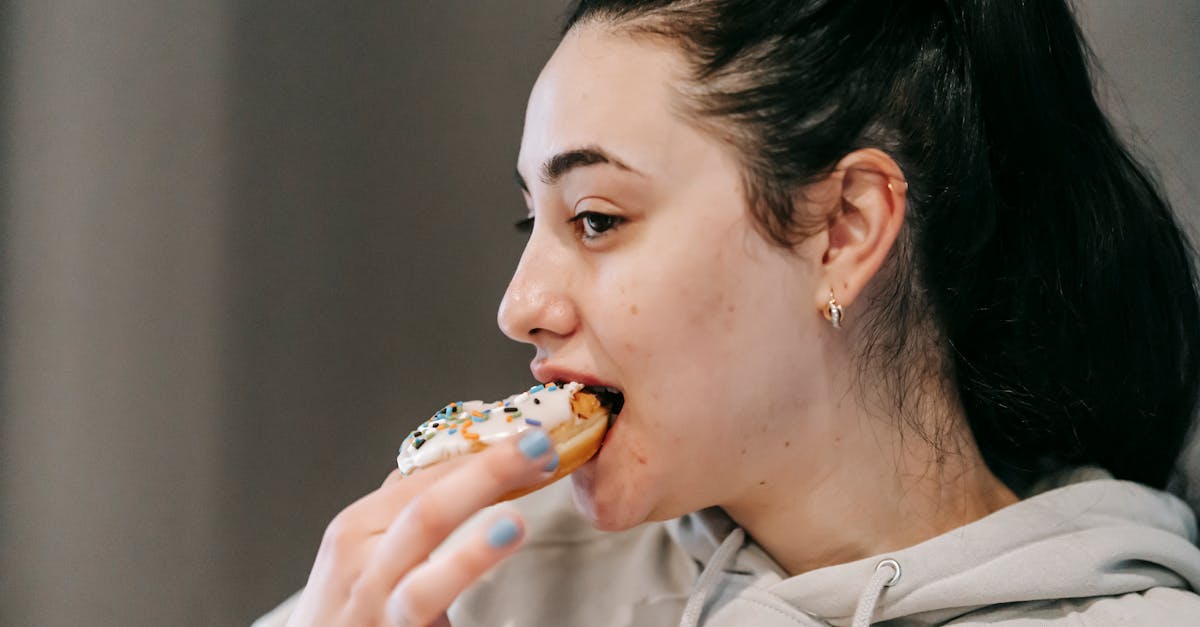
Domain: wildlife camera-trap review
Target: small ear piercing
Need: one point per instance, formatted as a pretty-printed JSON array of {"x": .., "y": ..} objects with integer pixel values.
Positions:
[{"x": 833, "y": 311}]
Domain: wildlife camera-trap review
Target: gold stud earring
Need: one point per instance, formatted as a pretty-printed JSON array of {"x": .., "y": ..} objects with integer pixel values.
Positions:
[{"x": 833, "y": 311}]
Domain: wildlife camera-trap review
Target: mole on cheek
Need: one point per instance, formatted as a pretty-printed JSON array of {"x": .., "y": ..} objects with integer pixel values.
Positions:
[{"x": 633, "y": 309}]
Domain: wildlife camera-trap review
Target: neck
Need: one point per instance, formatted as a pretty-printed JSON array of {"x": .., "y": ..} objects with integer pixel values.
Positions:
[{"x": 873, "y": 490}]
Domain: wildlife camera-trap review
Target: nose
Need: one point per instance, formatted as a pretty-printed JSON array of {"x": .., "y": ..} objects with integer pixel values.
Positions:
[{"x": 537, "y": 308}]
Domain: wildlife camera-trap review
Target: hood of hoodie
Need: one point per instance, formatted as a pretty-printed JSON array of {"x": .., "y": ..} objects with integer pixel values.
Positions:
[{"x": 1082, "y": 534}]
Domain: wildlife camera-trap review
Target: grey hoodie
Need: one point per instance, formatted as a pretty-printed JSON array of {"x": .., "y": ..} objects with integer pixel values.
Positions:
[{"x": 1086, "y": 550}]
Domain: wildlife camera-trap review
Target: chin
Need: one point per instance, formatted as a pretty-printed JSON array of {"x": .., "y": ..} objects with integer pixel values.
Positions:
[{"x": 600, "y": 503}]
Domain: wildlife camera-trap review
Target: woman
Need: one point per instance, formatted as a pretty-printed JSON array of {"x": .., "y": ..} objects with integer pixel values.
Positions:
[{"x": 902, "y": 330}]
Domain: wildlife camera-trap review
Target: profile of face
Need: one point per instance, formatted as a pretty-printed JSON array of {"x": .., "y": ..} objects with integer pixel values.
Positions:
[{"x": 644, "y": 271}]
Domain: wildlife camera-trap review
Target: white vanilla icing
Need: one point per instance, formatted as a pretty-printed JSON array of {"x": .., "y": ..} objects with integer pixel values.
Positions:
[{"x": 455, "y": 427}]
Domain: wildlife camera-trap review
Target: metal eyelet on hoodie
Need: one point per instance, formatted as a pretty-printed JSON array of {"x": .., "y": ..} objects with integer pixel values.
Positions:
[
  {"x": 865, "y": 609},
  {"x": 895, "y": 566}
]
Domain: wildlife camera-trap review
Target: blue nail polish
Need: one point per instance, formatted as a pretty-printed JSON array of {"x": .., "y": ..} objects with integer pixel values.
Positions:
[
  {"x": 534, "y": 444},
  {"x": 502, "y": 533},
  {"x": 552, "y": 464}
]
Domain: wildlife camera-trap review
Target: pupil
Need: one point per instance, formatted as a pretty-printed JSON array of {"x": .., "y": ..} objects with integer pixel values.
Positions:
[{"x": 599, "y": 222}]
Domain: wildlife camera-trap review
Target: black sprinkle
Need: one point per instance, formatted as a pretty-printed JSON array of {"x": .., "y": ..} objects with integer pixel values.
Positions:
[
  {"x": 511, "y": 410},
  {"x": 433, "y": 426},
  {"x": 418, "y": 443},
  {"x": 537, "y": 401}
]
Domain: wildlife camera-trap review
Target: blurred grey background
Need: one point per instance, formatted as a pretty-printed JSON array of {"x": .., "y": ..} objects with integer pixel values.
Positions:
[{"x": 247, "y": 245}]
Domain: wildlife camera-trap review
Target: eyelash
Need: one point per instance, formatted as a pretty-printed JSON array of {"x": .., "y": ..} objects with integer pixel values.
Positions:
[{"x": 580, "y": 222}]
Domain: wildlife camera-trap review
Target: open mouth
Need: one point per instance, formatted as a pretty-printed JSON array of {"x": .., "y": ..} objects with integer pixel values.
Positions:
[{"x": 611, "y": 398}]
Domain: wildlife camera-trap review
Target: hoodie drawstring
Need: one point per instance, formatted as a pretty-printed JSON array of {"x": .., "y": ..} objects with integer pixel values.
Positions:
[
  {"x": 887, "y": 574},
  {"x": 710, "y": 576}
]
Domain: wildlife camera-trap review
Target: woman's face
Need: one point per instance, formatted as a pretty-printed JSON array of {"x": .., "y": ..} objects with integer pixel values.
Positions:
[{"x": 644, "y": 271}]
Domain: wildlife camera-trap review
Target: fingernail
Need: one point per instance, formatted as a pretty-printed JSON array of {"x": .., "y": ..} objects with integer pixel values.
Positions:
[
  {"x": 534, "y": 444},
  {"x": 502, "y": 533},
  {"x": 552, "y": 464}
]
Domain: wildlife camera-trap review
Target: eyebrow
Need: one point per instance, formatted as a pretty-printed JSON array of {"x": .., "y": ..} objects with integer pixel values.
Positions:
[{"x": 560, "y": 164}]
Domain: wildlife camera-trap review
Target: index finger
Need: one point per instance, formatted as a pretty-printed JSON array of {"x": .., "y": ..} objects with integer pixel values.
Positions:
[
  {"x": 376, "y": 511},
  {"x": 479, "y": 481}
]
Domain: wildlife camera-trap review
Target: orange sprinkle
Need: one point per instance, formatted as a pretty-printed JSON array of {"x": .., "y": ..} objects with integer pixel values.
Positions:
[
  {"x": 442, "y": 426},
  {"x": 470, "y": 436},
  {"x": 477, "y": 413},
  {"x": 508, "y": 419}
]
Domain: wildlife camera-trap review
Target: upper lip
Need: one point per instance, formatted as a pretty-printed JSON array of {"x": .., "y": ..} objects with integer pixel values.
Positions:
[
  {"x": 546, "y": 372},
  {"x": 611, "y": 396}
]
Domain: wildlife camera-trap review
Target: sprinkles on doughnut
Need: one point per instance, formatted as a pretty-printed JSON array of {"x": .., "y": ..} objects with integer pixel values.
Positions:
[{"x": 575, "y": 418}]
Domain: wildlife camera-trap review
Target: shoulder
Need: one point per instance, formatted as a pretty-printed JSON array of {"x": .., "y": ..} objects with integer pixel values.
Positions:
[{"x": 1155, "y": 606}]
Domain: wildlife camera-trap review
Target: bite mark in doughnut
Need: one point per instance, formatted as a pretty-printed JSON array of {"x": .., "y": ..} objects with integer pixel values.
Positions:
[{"x": 575, "y": 418}]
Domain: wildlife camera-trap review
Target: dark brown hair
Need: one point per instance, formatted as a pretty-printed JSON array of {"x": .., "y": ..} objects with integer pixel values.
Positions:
[{"x": 1040, "y": 270}]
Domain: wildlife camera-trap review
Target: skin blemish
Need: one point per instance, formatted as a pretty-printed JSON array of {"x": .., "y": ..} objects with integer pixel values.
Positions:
[
  {"x": 731, "y": 308},
  {"x": 633, "y": 309},
  {"x": 786, "y": 443}
]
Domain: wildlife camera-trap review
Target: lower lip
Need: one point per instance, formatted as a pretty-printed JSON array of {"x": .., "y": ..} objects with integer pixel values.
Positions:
[{"x": 603, "y": 443}]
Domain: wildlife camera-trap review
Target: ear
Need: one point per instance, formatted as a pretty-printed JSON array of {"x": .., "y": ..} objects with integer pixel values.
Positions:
[{"x": 864, "y": 226}]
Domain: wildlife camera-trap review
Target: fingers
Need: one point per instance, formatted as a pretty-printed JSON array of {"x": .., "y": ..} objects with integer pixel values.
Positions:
[
  {"x": 377, "y": 541},
  {"x": 449, "y": 501},
  {"x": 376, "y": 511},
  {"x": 425, "y": 593}
]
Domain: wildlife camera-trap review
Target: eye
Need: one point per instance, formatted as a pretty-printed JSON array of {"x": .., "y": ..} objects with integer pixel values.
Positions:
[{"x": 592, "y": 225}]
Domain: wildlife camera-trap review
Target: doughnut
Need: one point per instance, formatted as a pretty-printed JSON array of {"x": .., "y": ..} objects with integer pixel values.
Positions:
[{"x": 575, "y": 418}]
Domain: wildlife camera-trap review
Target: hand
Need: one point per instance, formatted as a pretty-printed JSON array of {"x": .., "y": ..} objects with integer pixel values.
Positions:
[{"x": 374, "y": 565}]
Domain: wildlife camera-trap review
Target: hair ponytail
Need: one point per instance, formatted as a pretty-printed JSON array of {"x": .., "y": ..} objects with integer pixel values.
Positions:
[
  {"x": 1039, "y": 268},
  {"x": 1073, "y": 322}
]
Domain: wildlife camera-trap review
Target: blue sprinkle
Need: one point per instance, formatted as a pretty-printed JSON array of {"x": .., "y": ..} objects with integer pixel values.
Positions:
[
  {"x": 452, "y": 432},
  {"x": 531, "y": 421},
  {"x": 537, "y": 388},
  {"x": 551, "y": 387}
]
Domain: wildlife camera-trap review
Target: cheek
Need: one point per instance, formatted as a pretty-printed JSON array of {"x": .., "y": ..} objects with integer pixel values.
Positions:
[
  {"x": 669, "y": 314},
  {"x": 699, "y": 336},
  {"x": 683, "y": 331}
]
